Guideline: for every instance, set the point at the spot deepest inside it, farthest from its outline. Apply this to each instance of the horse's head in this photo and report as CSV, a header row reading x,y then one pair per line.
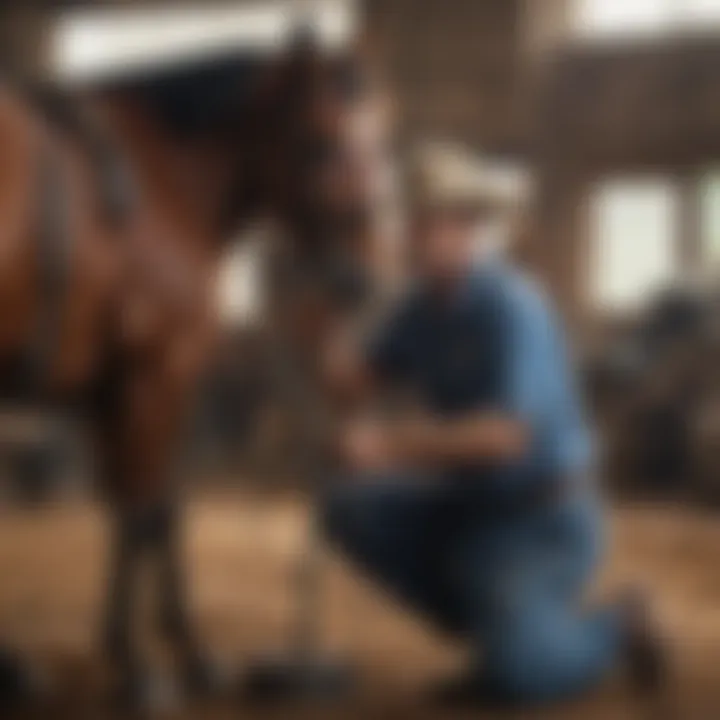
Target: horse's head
x,y
324,153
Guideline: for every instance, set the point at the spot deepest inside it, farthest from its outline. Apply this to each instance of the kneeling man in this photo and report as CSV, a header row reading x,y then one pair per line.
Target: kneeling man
x,y
481,514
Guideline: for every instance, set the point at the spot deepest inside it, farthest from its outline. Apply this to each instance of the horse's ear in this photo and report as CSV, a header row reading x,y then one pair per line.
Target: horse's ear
x,y
302,62
303,38
304,46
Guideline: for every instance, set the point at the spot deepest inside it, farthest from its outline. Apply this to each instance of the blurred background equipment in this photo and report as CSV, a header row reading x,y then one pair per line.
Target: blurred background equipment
x,y
40,459
654,388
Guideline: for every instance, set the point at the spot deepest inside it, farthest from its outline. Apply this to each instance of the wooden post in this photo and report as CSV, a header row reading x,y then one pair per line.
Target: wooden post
x,y
689,231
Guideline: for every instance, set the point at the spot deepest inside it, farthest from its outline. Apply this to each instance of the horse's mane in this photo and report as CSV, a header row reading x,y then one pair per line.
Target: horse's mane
x,y
207,94
196,96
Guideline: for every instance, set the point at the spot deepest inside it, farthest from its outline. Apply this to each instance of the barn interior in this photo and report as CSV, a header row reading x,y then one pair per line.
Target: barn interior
x,y
610,106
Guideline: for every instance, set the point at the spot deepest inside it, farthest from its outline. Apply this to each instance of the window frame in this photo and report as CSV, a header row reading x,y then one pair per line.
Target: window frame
x,y
591,295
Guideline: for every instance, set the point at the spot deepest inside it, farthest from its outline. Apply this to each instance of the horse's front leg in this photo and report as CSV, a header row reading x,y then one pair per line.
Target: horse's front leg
x,y
142,428
175,618
19,687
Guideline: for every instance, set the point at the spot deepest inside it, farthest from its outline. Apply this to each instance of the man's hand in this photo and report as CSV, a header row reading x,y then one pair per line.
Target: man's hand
x,y
344,372
482,438
367,446
370,446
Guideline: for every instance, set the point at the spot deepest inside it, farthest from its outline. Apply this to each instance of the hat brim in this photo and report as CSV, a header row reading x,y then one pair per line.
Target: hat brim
x,y
470,205
446,177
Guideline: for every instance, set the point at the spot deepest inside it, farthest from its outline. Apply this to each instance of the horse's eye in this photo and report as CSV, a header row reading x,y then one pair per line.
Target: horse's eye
x,y
349,80
318,152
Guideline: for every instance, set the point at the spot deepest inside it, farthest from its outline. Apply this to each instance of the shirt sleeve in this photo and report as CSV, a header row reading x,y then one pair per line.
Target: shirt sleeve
x,y
533,378
518,355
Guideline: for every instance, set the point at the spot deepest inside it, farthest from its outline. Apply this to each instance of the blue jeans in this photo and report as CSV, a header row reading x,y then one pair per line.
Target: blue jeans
x,y
511,584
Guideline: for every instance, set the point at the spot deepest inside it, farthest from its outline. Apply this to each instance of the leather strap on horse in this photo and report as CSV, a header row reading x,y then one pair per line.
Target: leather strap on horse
x,y
116,191
54,254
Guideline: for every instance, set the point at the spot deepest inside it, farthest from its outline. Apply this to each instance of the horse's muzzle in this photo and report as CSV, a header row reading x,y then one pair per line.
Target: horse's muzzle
x,y
348,284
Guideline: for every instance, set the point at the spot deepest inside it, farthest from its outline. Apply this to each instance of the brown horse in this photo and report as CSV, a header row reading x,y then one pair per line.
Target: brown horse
x,y
115,211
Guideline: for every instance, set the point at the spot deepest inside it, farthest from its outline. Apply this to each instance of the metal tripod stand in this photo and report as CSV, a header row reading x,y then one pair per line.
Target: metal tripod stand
x,y
303,671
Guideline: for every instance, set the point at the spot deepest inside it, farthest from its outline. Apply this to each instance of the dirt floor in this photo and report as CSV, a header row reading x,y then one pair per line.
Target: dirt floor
x,y
243,548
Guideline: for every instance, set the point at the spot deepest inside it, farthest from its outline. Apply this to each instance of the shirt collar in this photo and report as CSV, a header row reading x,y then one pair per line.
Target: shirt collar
x,y
466,287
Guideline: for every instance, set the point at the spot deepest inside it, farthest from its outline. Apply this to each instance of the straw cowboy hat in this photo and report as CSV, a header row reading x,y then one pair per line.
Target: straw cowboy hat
x,y
446,176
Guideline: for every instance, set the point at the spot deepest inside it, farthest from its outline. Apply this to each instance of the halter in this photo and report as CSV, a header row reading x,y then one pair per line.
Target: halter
x,y
54,240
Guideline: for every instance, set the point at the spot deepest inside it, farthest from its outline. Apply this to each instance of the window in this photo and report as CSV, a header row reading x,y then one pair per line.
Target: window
x,y
700,11
613,18
710,220
632,242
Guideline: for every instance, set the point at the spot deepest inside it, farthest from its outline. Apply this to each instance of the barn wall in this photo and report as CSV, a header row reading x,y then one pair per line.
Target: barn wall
x,y
454,66
23,37
619,109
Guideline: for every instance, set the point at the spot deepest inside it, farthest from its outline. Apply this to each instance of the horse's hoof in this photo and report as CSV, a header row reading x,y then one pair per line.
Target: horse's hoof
x,y
297,679
146,695
21,686
206,678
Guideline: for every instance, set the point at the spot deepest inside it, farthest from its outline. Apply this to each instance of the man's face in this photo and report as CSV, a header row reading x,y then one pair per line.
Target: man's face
x,y
444,243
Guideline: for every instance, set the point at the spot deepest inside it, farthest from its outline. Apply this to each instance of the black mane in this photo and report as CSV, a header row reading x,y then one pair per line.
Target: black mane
x,y
197,96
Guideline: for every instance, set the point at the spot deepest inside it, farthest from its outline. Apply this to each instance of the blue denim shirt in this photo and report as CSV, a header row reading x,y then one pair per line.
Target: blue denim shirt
x,y
493,345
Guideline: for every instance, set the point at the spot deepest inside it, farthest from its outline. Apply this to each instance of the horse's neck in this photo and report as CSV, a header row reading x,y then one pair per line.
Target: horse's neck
x,y
189,178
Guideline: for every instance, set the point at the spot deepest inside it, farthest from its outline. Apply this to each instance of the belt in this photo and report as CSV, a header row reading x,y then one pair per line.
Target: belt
x,y
542,493
553,491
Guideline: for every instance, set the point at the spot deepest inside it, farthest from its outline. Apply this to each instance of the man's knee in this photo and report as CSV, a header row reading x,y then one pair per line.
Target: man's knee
x,y
539,661
516,639
512,670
